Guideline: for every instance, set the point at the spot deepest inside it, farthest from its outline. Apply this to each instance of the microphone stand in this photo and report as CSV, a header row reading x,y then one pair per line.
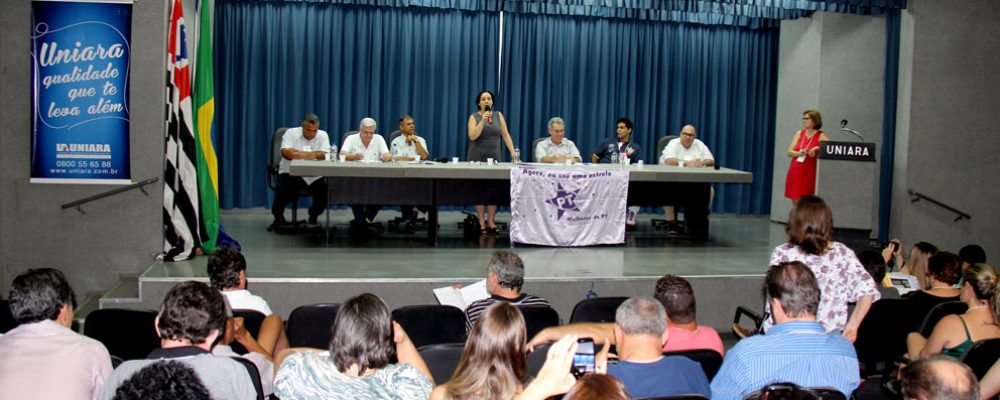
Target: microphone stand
x,y
844,128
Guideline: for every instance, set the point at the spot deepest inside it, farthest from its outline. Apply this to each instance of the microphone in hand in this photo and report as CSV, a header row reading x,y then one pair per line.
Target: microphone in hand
x,y
489,114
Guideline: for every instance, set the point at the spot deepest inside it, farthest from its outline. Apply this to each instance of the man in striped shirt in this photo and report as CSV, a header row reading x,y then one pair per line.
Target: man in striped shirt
x,y
796,349
504,277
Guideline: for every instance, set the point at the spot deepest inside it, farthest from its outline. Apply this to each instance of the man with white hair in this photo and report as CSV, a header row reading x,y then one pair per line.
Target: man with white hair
x,y
640,330
365,146
557,149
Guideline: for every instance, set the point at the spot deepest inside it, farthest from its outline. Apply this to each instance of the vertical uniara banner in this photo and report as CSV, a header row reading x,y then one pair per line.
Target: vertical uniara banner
x,y
80,55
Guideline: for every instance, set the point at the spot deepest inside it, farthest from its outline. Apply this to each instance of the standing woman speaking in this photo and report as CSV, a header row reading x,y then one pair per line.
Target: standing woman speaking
x,y
486,128
803,150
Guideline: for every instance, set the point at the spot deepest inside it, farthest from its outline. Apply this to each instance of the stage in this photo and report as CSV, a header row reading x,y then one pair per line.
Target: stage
x,y
293,269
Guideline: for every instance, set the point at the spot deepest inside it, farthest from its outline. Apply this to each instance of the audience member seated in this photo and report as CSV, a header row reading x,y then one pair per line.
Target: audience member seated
x,y
939,378
955,333
841,277
971,254
235,331
875,265
796,349
640,330
192,317
227,272
43,358
494,363
356,366
944,272
597,387
989,386
163,380
504,278
683,332
916,264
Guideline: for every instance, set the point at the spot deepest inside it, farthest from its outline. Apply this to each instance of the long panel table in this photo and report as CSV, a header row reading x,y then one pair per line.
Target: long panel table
x,y
434,184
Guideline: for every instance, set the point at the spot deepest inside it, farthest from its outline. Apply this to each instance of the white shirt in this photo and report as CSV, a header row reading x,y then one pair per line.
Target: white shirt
x,y
697,151
372,153
45,360
293,139
407,150
546,148
244,300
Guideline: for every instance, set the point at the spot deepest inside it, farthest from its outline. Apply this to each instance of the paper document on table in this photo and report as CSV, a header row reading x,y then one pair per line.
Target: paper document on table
x,y
461,298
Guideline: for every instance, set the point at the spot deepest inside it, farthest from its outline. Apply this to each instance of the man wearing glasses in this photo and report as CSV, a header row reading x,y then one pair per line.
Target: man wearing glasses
x,y
685,151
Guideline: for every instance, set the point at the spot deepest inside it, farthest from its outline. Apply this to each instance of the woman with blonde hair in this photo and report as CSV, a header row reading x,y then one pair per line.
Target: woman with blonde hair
x,y
955,333
494,363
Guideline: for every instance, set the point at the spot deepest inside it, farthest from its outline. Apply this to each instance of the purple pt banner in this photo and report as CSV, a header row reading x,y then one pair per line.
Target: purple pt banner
x,y
80,92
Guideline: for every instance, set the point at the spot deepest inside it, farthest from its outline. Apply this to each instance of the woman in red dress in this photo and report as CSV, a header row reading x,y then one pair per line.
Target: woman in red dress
x,y
801,179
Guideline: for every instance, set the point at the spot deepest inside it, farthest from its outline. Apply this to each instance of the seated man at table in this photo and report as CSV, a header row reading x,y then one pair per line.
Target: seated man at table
x,y
621,146
409,147
557,149
306,142
365,146
685,151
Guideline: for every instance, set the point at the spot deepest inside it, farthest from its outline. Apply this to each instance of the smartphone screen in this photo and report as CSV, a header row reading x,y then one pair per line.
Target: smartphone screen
x,y
583,360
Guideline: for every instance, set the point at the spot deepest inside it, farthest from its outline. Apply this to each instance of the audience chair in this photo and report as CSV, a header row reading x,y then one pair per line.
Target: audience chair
x,y
252,320
127,334
431,324
597,309
940,311
537,318
295,225
710,360
536,359
981,356
311,325
534,145
254,375
828,393
7,321
660,145
880,341
442,360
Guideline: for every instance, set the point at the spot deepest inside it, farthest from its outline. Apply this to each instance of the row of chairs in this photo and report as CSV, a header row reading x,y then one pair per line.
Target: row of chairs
x,y
130,334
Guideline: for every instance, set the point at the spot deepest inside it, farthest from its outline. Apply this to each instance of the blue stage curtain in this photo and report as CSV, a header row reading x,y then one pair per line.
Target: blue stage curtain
x,y
590,71
277,61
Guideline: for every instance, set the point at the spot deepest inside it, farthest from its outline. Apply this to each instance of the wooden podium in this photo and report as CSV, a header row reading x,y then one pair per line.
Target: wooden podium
x,y
846,178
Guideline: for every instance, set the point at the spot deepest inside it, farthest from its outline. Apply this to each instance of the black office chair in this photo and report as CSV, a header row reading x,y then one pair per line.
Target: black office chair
x,y
392,136
597,309
828,393
940,311
254,375
981,356
127,334
431,324
295,225
537,318
252,320
310,325
880,341
710,360
534,145
656,222
442,360
7,321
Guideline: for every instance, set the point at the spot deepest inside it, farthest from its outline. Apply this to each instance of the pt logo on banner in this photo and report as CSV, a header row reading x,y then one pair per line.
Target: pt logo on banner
x,y
568,207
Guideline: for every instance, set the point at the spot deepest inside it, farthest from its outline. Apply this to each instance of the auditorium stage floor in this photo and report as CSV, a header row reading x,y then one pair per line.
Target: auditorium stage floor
x,y
737,246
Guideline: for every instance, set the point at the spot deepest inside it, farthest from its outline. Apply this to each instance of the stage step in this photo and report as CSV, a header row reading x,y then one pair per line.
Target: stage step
x,y
124,294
